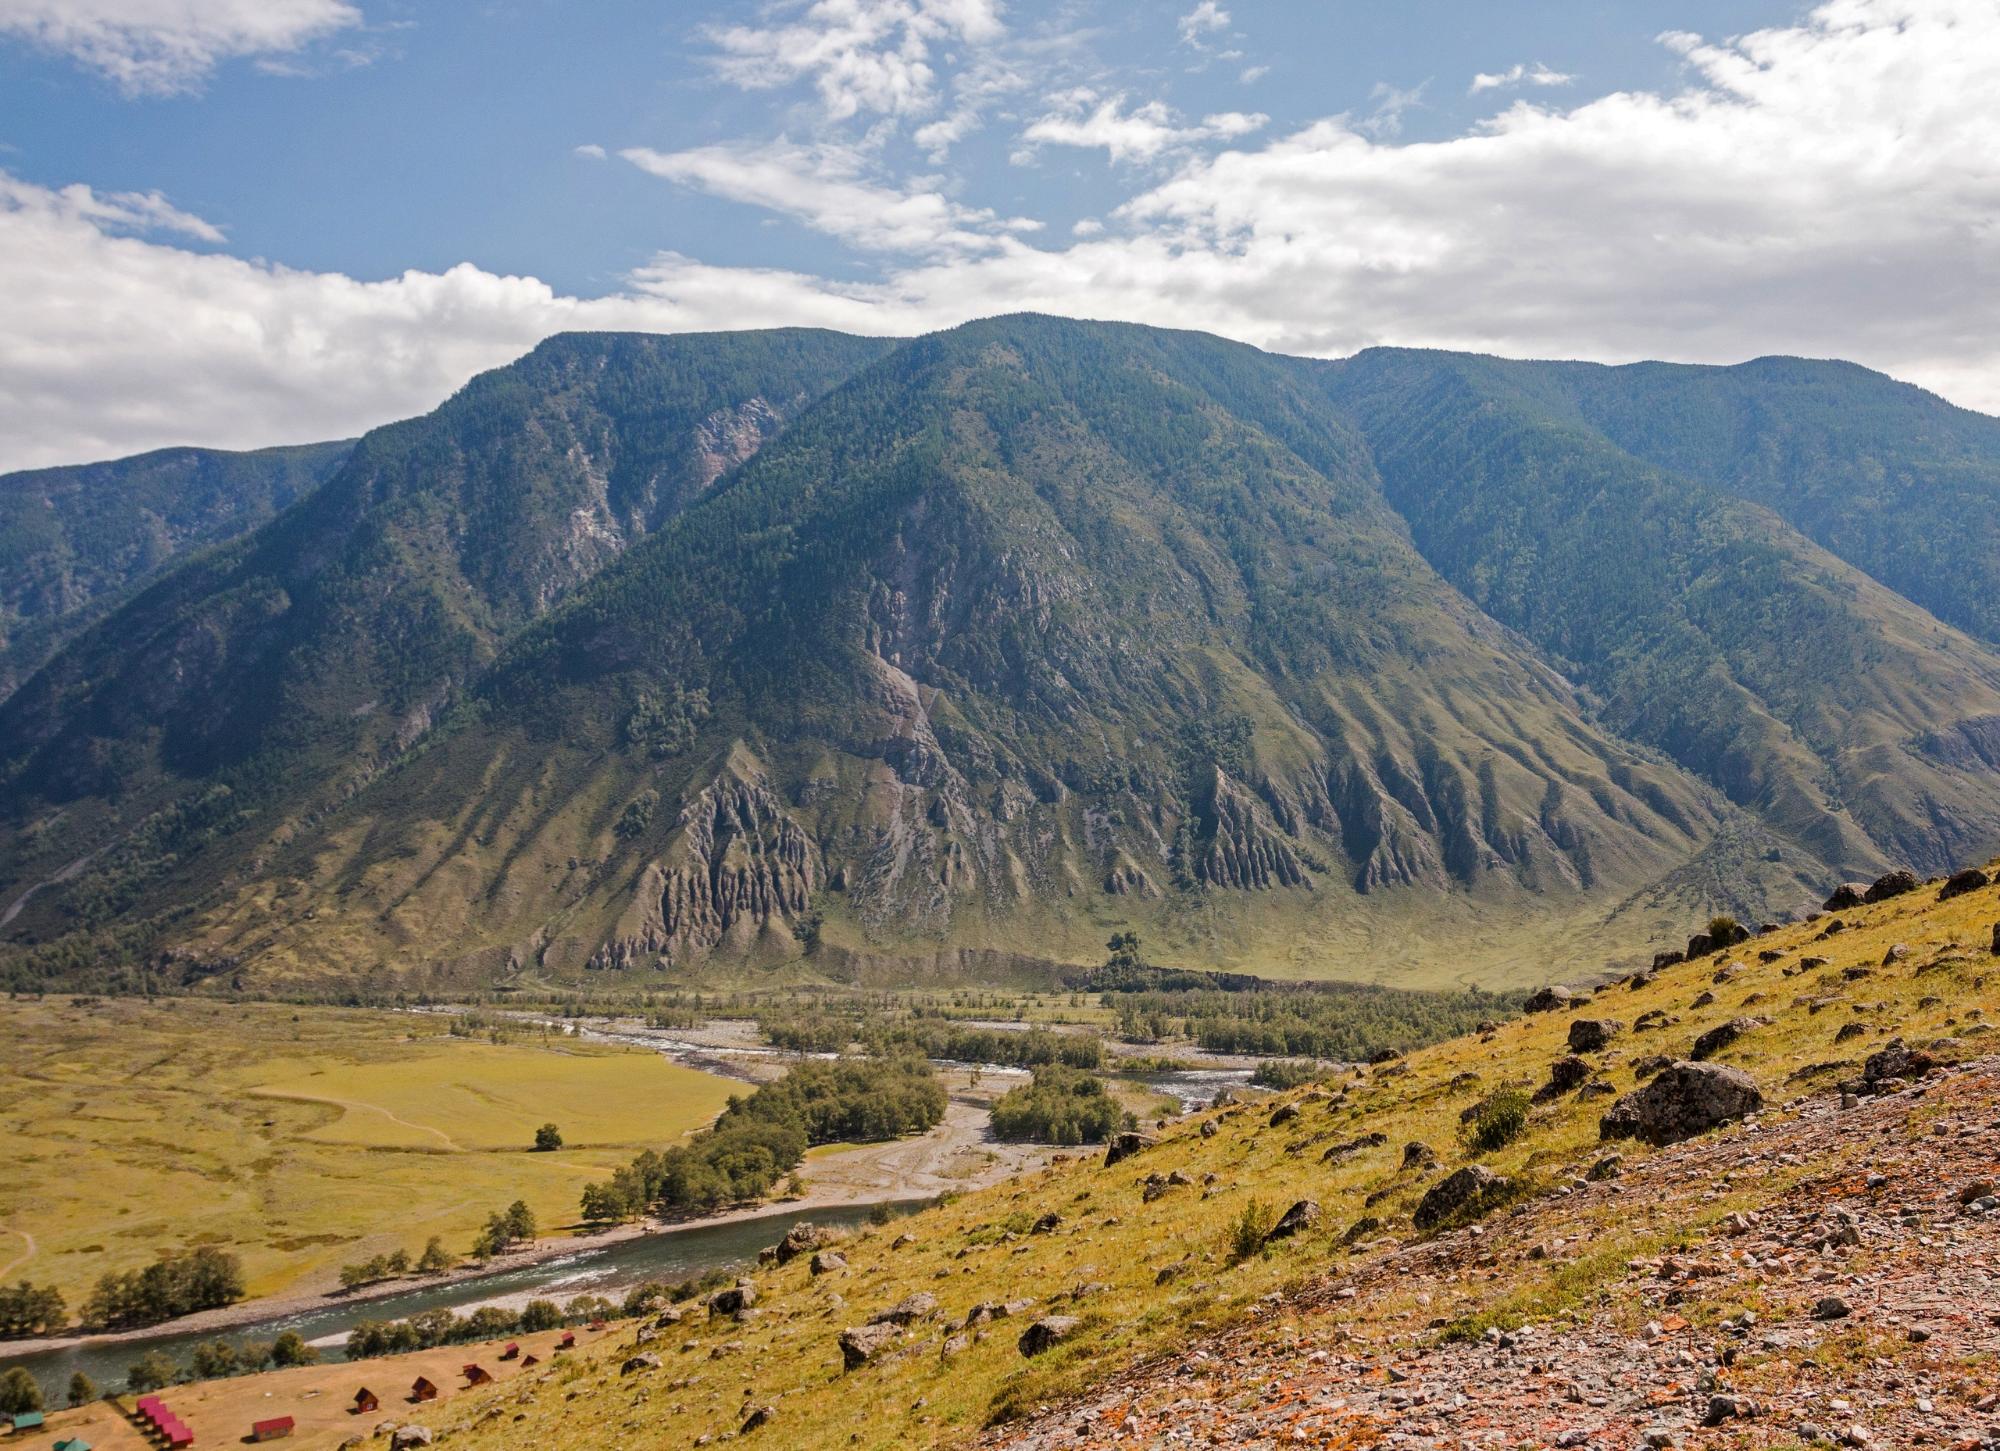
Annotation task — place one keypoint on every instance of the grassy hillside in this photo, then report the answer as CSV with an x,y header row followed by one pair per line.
x,y
1156,1276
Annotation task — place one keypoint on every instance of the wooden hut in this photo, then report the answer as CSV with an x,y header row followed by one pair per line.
x,y
477,1375
512,1352
423,1390
530,1359
568,1341
366,1401
274,1429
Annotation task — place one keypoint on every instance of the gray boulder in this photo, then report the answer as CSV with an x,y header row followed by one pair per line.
x,y
1125,1145
907,1311
758,1419
1475,1187
1959,883
1592,1035
1845,896
863,1343
644,1360
1890,884
1549,999
804,1238
1897,1059
1047,1333
404,1437
1681,1101
1721,1036
734,1300
826,1261
1297,1220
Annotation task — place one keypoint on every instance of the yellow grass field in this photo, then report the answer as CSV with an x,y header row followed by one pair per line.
x,y
299,1138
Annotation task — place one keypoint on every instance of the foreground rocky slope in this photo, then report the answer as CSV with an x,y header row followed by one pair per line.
x,y
948,657
1821,1269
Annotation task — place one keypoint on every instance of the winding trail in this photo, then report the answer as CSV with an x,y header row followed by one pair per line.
x,y
20,1259
439,1134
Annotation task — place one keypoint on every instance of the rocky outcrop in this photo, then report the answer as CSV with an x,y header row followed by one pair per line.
x,y
1047,1333
1243,851
1548,999
1959,883
803,1238
1682,1100
1301,1217
1845,897
1124,1146
862,1343
1721,1036
737,865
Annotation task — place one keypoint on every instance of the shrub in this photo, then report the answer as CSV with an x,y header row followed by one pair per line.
x,y
1284,1072
1246,1233
1059,1106
1498,1121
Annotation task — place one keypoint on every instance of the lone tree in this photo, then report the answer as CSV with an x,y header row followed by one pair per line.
x,y
548,1138
19,1393
82,1389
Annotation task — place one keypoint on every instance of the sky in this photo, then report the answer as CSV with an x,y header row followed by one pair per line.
x,y
246,222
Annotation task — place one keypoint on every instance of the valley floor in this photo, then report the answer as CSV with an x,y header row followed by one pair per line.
x,y
1872,1297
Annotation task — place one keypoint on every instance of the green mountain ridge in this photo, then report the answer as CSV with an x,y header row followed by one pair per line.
x,y
790,652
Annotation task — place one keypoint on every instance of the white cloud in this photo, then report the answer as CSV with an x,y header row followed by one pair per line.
x,y
590,151
1827,189
1253,74
1143,133
160,47
1518,75
861,55
1385,122
1202,21
829,189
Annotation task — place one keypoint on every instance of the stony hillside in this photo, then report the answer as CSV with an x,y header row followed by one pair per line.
x,y
951,657
1751,1203
76,542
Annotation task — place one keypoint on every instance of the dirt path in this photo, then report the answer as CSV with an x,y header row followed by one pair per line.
x,y
20,1259
439,1134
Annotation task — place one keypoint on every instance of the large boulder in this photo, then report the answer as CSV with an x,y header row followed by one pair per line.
x,y
1549,999
1047,1332
1681,1101
735,1300
1593,1035
1474,1188
1125,1145
1845,896
1297,1220
405,1437
644,1360
826,1261
1890,884
863,1343
1959,883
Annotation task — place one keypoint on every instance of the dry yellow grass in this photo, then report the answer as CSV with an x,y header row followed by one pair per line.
x,y
980,1247
299,1138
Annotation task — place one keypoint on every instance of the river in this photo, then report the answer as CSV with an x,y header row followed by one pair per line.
x,y
608,1270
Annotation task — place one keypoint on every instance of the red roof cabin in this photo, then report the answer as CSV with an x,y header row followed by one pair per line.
x,y
275,1429
477,1375
422,1390
365,1401
597,1325
568,1341
512,1351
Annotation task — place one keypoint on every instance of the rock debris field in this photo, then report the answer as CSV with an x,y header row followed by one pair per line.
x,y
1843,1288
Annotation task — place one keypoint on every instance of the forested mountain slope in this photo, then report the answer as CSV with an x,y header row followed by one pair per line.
x,y
790,651
76,541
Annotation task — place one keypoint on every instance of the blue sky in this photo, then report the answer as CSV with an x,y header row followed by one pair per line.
x,y
247,221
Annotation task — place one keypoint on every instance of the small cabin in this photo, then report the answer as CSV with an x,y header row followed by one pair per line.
x,y
422,1390
530,1359
365,1401
598,1326
27,1421
477,1375
73,1443
568,1341
512,1352
275,1429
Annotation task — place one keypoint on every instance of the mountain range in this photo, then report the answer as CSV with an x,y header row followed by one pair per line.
x,y
792,655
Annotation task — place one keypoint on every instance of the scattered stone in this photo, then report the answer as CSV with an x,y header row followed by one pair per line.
x,y
803,1238
903,1240
1564,1074
1471,1189
1605,1168
826,1261
644,1360
1285,1114
1125,1145
1681,1101
1549,999
1296,1220
1048,1224
735,1300
1721,1036
1846,896
1418,1155
1896,1060
1047,1332
1830,1307
758,1419
404,1437
863,1343
906,1311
